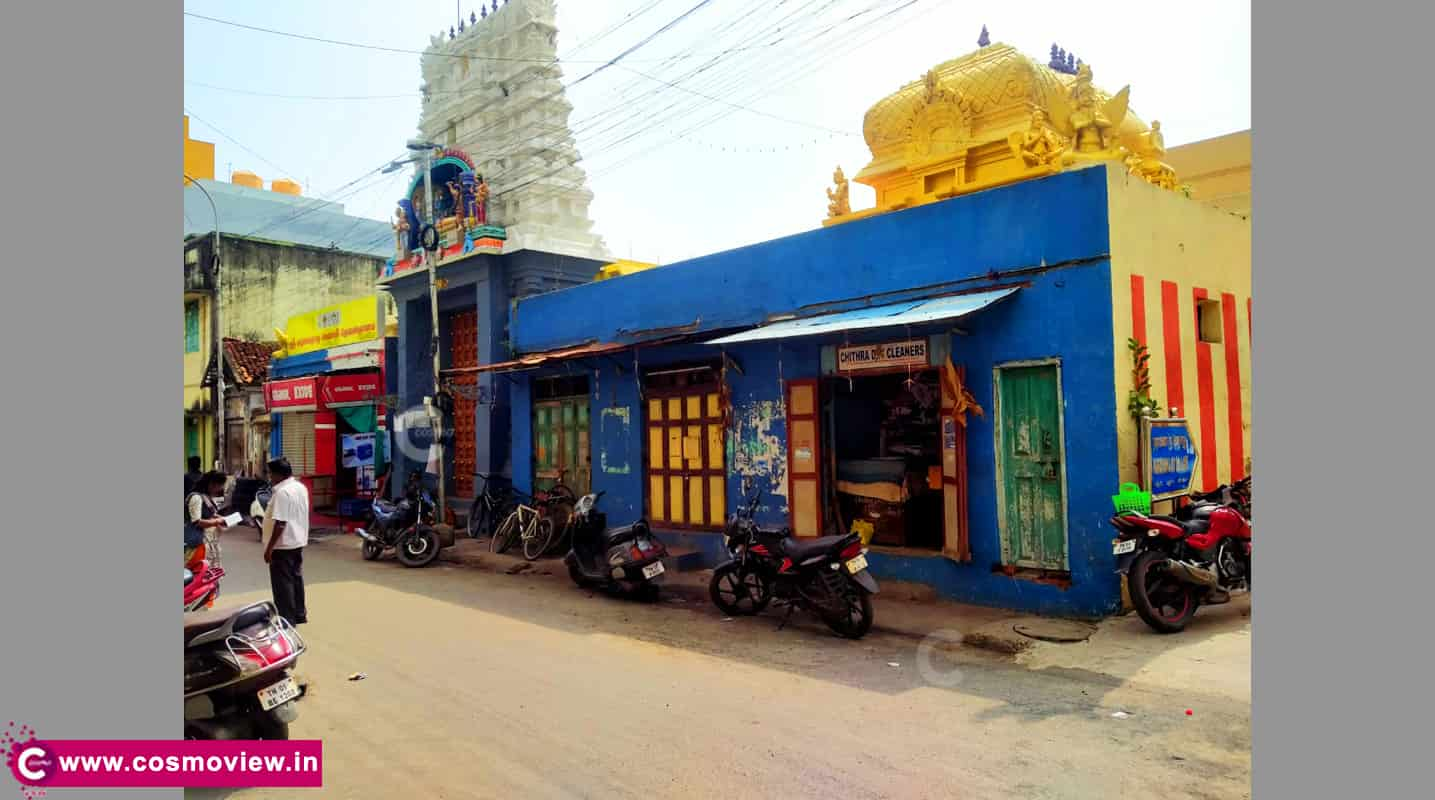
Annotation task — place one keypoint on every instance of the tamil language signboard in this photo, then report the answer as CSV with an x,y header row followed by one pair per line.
x,y
1168,457
335,326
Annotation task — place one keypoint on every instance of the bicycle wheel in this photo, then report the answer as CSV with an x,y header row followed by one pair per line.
x,y
477,521
537,538
502,537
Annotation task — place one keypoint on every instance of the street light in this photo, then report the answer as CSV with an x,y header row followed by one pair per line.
x,y
218,353
425,150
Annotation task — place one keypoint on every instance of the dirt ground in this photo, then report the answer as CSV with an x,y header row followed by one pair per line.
x,y
482,684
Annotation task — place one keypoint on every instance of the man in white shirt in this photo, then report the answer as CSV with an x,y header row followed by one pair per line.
x,y
284,551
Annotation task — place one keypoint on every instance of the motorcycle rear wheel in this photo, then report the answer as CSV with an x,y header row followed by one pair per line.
x,y
372,550
1161,601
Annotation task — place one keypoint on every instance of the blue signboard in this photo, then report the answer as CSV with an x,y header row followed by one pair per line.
x,y
1168,457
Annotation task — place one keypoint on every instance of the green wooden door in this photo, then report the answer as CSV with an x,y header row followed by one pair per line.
x,y
1031,470
560,444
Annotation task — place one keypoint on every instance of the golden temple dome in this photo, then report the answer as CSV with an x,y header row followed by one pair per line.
x,y
990,117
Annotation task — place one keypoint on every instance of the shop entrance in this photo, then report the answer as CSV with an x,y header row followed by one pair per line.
x,y
883,432
560,434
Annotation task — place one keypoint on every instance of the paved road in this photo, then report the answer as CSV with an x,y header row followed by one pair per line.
x,y
487,685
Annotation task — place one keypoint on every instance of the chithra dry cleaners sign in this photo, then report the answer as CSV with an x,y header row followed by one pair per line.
x,y
856,358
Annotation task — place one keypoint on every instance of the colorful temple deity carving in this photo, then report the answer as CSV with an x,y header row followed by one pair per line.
x,y
460,198
995,116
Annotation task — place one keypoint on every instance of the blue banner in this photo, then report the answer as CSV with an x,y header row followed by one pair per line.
x,y
1170,457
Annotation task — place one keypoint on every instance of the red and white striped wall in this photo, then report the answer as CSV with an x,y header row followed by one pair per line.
x,y
1207,382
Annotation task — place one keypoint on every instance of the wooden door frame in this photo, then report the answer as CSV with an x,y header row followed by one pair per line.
x,y
998,430
664,394
816,418
558,403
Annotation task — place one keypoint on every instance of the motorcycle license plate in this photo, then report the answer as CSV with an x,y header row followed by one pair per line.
x,y
1124,547
278,694
856,564
653,570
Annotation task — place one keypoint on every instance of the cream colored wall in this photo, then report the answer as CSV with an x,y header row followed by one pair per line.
x,y
265,285
1218,170
1161,236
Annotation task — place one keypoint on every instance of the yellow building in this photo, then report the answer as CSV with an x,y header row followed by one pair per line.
x,y
282,255
198,157
617,269
1217,171
1179,221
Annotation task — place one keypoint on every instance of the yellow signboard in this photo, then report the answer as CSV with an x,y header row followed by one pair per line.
x,y
347,323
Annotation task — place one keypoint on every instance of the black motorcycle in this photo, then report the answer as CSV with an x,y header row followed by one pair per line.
x,y
239,673
827,575
406,527
627,560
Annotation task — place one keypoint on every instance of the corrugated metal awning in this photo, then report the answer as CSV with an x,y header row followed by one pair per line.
x,y
908,312
540,359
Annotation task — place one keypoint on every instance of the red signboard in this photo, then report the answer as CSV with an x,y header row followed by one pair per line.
x,y
295,394
350,390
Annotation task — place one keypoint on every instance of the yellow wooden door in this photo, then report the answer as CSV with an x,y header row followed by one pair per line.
x,y
686,459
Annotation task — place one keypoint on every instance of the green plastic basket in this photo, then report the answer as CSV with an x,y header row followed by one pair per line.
x,y
1131,498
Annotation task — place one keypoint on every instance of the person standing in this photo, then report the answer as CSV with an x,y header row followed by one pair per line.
x,y
201,513
191,478
284,551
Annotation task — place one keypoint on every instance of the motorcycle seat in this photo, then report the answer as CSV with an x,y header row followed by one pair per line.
x,y
800,550
384,508
624,533
1189,525
201,622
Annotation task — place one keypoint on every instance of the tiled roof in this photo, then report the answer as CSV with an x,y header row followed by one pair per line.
x,y
248,361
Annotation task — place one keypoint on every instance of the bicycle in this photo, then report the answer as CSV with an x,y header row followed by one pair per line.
x,y
527,523
490,507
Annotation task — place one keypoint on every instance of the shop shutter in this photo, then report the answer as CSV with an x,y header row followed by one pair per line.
x,y
298,441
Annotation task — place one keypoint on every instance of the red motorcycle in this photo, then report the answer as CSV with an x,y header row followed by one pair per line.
x,y
1173,565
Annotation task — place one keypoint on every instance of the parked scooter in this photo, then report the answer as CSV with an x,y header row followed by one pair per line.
x,y
260,507
827,575
201,585
405,526
202,574
627,560
1173,565
238,673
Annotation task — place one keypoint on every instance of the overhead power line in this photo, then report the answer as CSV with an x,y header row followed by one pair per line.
x,y
411,51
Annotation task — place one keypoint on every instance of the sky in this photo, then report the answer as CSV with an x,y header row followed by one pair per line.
x,y
744,155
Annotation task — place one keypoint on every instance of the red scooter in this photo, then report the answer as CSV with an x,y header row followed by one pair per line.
x,y
201,578
1173,565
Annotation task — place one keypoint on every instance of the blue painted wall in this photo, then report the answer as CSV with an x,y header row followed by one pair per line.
x,y
1064,313
486,283
1047,221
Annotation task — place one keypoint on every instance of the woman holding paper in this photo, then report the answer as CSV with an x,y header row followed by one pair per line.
x,y
202,517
